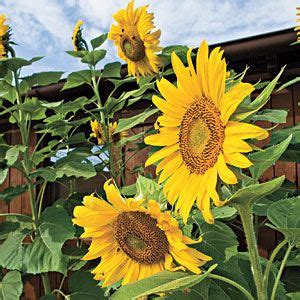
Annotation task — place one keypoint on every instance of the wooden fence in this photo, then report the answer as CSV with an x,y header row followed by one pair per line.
x,y
273,58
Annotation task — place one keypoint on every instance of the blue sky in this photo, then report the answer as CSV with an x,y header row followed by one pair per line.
x,y
44,27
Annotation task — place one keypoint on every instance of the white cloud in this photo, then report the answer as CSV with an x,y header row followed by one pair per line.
x,y
45,26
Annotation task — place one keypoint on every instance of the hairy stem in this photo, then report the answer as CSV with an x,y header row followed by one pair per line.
x,y
277,280
270,263
247,221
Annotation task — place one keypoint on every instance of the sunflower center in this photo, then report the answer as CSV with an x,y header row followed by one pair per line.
x,y
132,46
201,136
139,237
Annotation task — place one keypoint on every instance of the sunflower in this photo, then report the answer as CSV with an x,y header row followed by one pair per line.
x,y
297,28
137,45
196,132
133,241
4,36
76,37
99,133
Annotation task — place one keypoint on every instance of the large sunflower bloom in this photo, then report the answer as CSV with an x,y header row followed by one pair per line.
x,y
133,241
198,136
76,36
137,45
3,36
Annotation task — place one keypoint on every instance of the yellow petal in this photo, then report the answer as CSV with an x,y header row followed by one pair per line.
x,y
160,154
167,138
245,131
237,160
235,144
167,108
170,168
233,98
184,80
113,195
202,68
224,172
171,93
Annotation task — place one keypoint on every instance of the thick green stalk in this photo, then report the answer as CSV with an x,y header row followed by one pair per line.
x,y
247,221
233,283
270,263
277,280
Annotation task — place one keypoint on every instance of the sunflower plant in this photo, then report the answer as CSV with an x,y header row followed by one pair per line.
x,y
179,235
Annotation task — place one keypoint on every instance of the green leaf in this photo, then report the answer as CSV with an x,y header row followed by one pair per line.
x,y
12,154
43,78
125,124
175,48
250,194
219,241
80,54
98,41
11,286
44,254
3,175
112,70
246,111
263,159
161,282
224,213
56,228
78,78
14,63
178,284
38,258
281,134
77,169
284,215
148,189
6,228
271,115
293,296
73,106
12,251
289,83
94,57
11,192
82,286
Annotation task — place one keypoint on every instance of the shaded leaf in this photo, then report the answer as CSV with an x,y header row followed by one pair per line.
x,y
93,57
284,215
263,159
82,286
11,286
112,70
98,41
250,194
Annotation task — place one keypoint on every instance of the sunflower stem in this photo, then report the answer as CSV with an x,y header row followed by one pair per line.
x,y
277,280
247,221
270,263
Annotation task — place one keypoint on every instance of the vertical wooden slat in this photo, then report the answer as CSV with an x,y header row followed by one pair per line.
x,y
284,100
135,160
296,102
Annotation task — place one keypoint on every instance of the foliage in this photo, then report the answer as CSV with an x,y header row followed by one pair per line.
x,y
65,155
